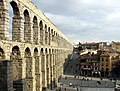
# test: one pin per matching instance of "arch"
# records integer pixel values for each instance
(15, 50)
(27, 26)
(35, 30)
(35, 52)
(15, 9)
(52, 50)
(49, 51)
(14, 19)
(17, 63)
(42, 51)
(43, 67)
(41, 24)
(27, 52)
(29, 78)
(2, 54)
(46, 35)
(46, 51)
(49, 36)
(37, 69)
(41, 32)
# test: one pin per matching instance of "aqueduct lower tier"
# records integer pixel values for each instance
(37, 49)
(40, 66)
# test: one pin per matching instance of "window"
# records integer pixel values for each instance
(102, 59)
(84, 66)
(107, 69)
(106, 59)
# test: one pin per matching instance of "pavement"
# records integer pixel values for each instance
(79, 84)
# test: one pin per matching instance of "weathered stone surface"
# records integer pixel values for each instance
(37, 49)
(6, 82)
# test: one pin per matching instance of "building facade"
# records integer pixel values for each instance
(37, 49)
(108, 61)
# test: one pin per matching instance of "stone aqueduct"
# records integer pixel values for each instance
(38, 49)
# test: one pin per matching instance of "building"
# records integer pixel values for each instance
(89, 64)
(115, 46)
(37, 48)
(100, 64)
(91, 45)
(108, 60)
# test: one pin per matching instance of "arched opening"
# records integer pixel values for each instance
(29, 78)
(37, 69)
(14, 21)
(43, 67)
(51, 68)
(49, 36)
(46, 35)
(35, 30)
(47, 67)
(41, 32)
(17, 63)
(2, 54)
(27, 27)
(17, 67)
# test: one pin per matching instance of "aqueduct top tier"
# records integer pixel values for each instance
(29, 25)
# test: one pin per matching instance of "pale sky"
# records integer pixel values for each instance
(84, 20)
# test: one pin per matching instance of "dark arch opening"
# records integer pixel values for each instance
(15, 50)
(2, 54)
(27, 52)
(14, 23)
(29, 71)
(41, 24)
(46, 51)
(37, 69)
(49, 36)
(41, 50)
(15, 9)
(17, 66)
(41, 32)
(35, 30)
(27, 29)
(46, 34)
(35, 52)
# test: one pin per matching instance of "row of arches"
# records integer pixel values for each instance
(25, 26)
(40, 67)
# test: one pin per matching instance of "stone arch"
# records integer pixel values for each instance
(35, 30)
(15, 9)
(2, 54)
(17, 63)
(47, 66)
(41, 32)
(49, 36)
(27, 26)
(46, 35)
(29, 78)
(46, 50)
(35, 52)
(43, 67)
(53, 35)
(16, 22)
(37, 69)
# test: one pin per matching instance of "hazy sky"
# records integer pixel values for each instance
(84, 20)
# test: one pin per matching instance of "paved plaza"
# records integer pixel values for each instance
(84, 84)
